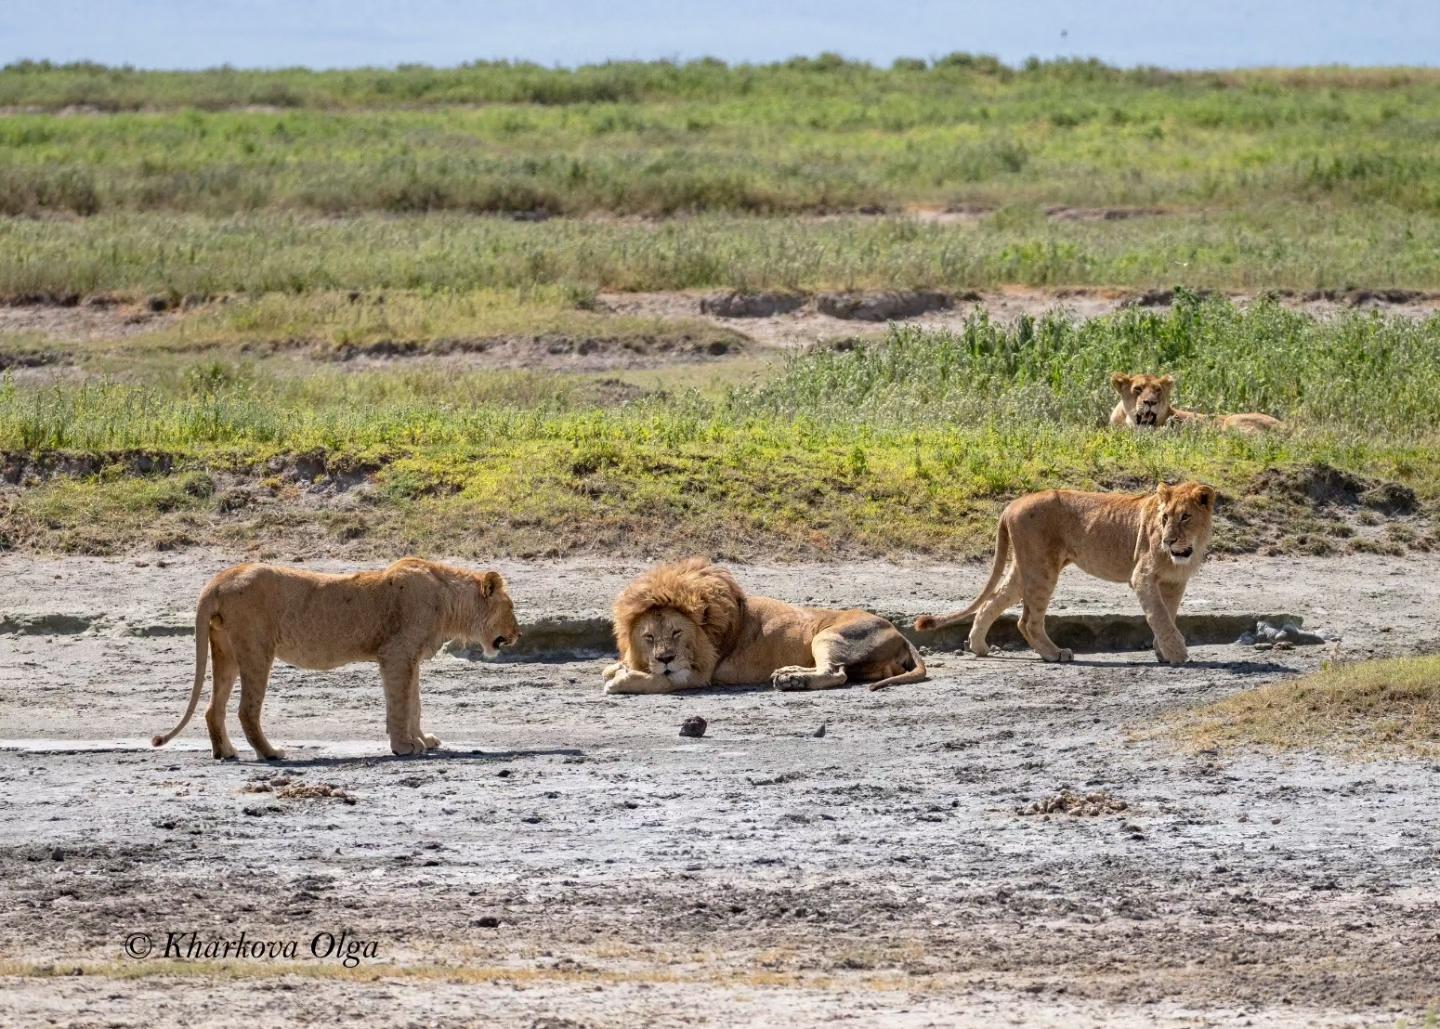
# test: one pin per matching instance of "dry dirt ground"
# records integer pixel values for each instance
(807, 326)
(570, 860)
(107, 321)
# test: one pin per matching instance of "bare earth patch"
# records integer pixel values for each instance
(568, 858)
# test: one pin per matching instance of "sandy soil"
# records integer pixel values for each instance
(570, 860)
(807, 326)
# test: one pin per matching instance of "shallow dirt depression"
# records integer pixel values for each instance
(1008, 842)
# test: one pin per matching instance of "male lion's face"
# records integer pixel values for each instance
(495, 613)
(1146, 397)
(1187, 514)
(665, 639)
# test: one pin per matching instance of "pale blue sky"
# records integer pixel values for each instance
(348, 33)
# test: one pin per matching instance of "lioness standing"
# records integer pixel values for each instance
(249, 615)
(1155, 541)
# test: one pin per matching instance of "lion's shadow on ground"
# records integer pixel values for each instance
(443, 754)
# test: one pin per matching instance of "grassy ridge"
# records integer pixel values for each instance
(806, 465)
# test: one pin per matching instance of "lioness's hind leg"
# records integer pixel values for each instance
(829, 670)
(225, 671)
(254, 678)
(1006, 594)
(1036, 592)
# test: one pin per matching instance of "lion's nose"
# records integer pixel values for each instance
(666, 657)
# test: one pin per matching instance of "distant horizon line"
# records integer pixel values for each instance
(978, 61)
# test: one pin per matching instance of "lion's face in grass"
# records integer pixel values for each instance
(1146, 397)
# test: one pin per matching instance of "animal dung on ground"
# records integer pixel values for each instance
(1067, 802)
(694, 726)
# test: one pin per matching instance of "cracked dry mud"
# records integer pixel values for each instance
(570, 860)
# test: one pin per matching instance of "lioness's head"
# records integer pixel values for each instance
(1187, 515)
(676, 620)
(491, 614)
(1146, 397)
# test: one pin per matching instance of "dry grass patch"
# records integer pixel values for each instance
(1371, 709)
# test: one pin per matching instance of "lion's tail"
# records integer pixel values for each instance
(929, 623)
(204, 611)
(916, 674)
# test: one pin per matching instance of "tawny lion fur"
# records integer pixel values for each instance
(688, 624)
(251, 614)
(1145, 404)
(1155, 541)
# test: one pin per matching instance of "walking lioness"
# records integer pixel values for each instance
(1155, 541)
(249, 615)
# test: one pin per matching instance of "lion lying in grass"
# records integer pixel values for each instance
(1145, 404)
(688, 625)
(249, 615)
(1155, 541)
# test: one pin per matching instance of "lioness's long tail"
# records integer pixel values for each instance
(929, 623)
(204, 611)
(916, 674)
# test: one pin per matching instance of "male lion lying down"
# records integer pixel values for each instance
(1145, 404)
(1155, 541)
(249, 615)
(688, 624)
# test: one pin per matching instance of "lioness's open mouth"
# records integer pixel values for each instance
(1184, 553)
(503, 641)
(1145, 417)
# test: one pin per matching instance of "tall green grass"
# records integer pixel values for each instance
(1361, 372)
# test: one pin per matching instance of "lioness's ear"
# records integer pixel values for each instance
(1167, 381)
(1206, 496)
(1163, 491)
(490, 582)
(1120, 380)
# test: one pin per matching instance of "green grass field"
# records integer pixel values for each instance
(369, 179)
(297, 215)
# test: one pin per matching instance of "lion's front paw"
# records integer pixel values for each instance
(790, 679)
(614, 671)
(431, 742)
(1173, 656)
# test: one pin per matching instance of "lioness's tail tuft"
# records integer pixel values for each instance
(157, 741)
(925, 623)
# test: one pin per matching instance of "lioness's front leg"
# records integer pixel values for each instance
(1160, 602)
(412, 696)
(397, 673)
(627, 680)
